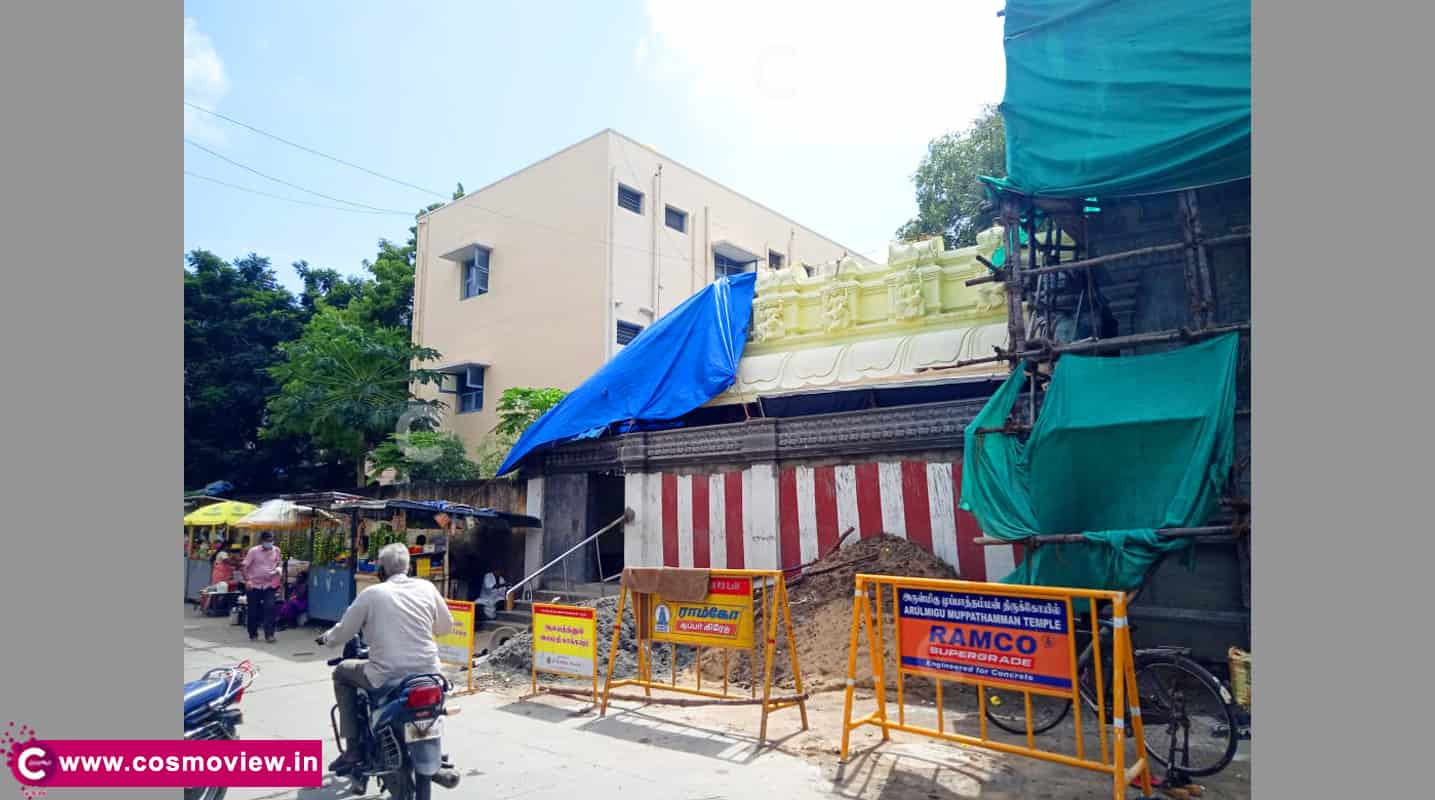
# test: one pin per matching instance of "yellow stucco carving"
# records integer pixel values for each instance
(845, 323)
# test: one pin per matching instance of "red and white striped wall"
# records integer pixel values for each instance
(764, 516)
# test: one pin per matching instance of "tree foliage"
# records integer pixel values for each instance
(423, 456)
(234, 318)
(950, 199)
(345, 383)
(520, 407)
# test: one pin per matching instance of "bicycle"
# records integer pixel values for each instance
(1179, 699)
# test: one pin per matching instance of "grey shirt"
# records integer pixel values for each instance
(400, 618)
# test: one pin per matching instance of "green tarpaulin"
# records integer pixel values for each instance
(1121, 447)
(1126, 97)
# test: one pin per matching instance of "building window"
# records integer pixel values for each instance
(774, 259)
(677, 220)
(725, 266)
(475, 273)
(631, 199)
(627, 331)
(470, 390)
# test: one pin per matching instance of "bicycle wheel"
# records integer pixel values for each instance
(1006, 708)
(1189, 719)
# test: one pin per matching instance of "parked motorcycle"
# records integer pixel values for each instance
(401, 729)
(211, 711)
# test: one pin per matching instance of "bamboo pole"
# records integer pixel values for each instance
(1097, 261)
(1168, 533)
(1048, 352)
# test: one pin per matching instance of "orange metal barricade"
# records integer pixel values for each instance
(772, 589)
(992, 635)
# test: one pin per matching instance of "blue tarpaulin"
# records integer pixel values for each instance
(684, 360)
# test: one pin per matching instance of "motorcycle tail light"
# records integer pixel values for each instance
(424, 696)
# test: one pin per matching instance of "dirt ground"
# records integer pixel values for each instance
(908, 767)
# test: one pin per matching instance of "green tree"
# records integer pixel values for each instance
(520, 407)
(388, 298)
(423, 456)
(327, 287)
(950, 200)
(344, 384)
(234, 318)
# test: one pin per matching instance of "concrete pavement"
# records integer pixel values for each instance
(505, 748)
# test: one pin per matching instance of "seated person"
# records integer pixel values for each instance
(494, 587)
(297, 603)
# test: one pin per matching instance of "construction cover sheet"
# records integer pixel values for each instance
(684, 360)
(1122, 446)
(1111, 98)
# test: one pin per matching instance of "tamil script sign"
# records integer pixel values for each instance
(565, 640)
(722, 619)
(456, 646)
(998, 639)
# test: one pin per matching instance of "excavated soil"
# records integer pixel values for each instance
(821, 603)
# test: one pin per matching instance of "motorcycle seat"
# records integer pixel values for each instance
(382, 694)
(200, 693)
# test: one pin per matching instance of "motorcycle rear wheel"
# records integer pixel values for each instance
(209, 792)
(408, 785)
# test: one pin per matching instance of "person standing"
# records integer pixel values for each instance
(261, 568)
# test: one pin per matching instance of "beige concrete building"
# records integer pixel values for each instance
(539, 278)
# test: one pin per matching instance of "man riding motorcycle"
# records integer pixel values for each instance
(400, 616)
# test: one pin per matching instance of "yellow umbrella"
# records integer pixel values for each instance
(225, 513)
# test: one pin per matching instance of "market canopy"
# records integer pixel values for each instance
(435, 507)
(1122, 447)
(227, 512)
(277, 515)
(684, 360)
(1108, 98)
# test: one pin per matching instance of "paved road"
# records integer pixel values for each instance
(504, 748)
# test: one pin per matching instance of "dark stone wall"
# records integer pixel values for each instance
(565, 524)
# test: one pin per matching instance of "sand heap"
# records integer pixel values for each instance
(821, 603)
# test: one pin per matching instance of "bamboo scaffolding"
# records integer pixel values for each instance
(1167, 533)
(1047, 351)
(1000, 275)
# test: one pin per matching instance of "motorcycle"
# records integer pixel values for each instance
(211, 711)
(401, 730)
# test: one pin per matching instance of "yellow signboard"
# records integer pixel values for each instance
(456, 647)
(722, 619)
(565, 640)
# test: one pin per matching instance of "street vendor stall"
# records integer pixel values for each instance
(334, 581)
(294, 527)
(206, 529)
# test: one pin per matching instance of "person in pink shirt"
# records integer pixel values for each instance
(261, 571)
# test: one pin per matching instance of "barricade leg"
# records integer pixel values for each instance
(613, 649)
(1118, 701)
(1138, 728)
(792, 651)
(851, 668)
(769, 641)
(876, 650)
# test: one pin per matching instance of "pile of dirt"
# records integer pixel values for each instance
(821, 603)
(516, 654)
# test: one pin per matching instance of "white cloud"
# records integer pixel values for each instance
(850, 73)
(204, 82)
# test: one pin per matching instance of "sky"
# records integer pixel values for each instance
(821, 111)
